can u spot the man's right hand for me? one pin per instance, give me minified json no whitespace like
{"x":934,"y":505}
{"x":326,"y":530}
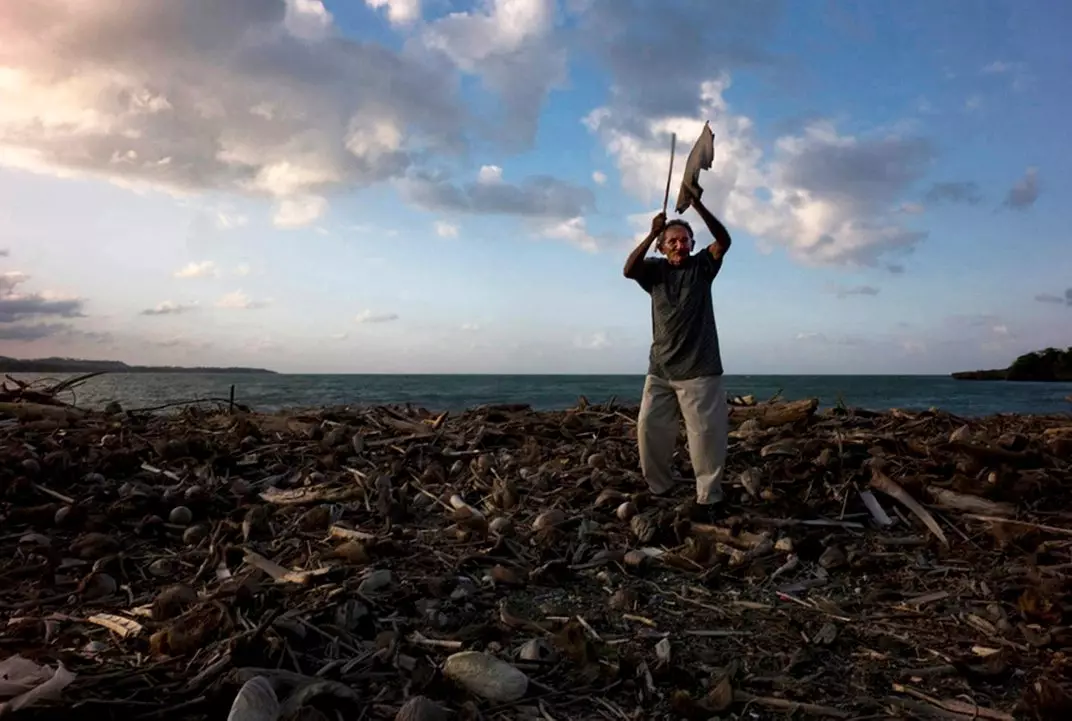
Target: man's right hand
{"x":658,"y":224}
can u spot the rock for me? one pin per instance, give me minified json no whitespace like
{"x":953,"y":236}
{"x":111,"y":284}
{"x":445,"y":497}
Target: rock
{"x":486,"y":676}
{"x":255,"y":701}
{"x":421,"y":708}
{"x":549,"y":519}
{"x":375,"y":582}
{"x":501,"y":526}
{"x":960,"y":435}
{"x":181,"y":516}
{"x":172,"y":601}
{"x":626,"y":511}
{"x":597,"y":460}
{"x":536,"y":649}
{"x":195,"y":534}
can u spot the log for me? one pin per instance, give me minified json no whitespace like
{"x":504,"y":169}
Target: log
{"x":969,"y":503}
{"x":771,"y":415}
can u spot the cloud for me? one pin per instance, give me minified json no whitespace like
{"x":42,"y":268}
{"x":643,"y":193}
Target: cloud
{"x":824,"y":339}
{"x":299,"y":212}
{"x":599,"y":177}
{"x":537,"y":196}
{"x":973,"y":103}
{"x":242,"y":269}
{"x":399,"y":12}
{"x":596,"y":341}
{"x":631,"y":38}
{"x":1056,"y":299}
{"x":26,"y":333}
{"x":846,"y":291}
{"x":4,"y":252}
{"x":511,"y":45}
{"x":446,"y":230}
{"x":827,"y":197}
{"x":489,"y":174}
{"x":368,"y":316}
{"x":262,"y":97}
{"x":238,"y":300}
{"x":575,"y":232}
{"x":169,"y":307}
{"x":962,"y":191}
{"x":1024,"y":192}
{"x":9,"y":280}
{"x":229,"y":221}
{"x":912,"y":208}
{"x":16,"y":306}
{"x":203,"y":269}
{"x":1021,"y":78}
{"x":470,"y":327}
{"x":19,"y":306}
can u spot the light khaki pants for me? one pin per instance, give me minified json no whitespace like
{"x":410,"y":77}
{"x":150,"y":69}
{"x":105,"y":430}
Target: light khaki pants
{"x":702,"y":403}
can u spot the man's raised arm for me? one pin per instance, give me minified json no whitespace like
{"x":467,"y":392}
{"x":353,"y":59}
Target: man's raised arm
{"x":634,"y":263}
{"x":718,"y":230}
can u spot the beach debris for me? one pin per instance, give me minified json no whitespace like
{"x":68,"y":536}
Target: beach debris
{"x":399,"y":563}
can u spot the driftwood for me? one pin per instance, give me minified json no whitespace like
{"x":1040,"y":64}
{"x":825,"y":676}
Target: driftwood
{"x":332,"y":561}
{"x":772,"y":415}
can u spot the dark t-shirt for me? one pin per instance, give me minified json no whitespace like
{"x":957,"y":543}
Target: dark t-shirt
{"x":684,"y":338}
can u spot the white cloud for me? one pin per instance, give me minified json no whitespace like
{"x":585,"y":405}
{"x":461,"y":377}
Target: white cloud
{"x":489,"y":174}
{"x":595,"y":341}
{"x":573,"y":231}
{"x":228,"y":221}
{"x":912,"y":208}
{"x":399,"y":12}
{"x":511,"y":46}
{"x":249,"y":96}
{"x":470,"y":327}
{"x":242,"y":269}
{"x":368,"y":316}
{"x":203,"y":269}
{"x":599,"y":177}
{"x":10,"y":279}
{"x":973,"y":103}
{"x":446,"y":230}
{"x":307,"y":19}
{"x":299,"y":212}
{"x":828,"y":198}
{"x":340,"y":336}
{"x":238,"y":300}
{"x":169,"y":307}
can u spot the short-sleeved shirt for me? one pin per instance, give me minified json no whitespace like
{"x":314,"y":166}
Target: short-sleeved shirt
{"x":684,"y":341}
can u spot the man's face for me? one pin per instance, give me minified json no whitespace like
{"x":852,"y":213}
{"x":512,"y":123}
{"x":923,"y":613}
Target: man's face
{"x":676,"y":244}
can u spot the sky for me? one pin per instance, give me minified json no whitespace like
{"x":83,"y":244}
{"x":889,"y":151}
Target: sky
{"x":452,"y":186}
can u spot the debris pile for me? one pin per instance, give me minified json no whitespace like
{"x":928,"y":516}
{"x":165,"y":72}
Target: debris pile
{"x":391,"y":563}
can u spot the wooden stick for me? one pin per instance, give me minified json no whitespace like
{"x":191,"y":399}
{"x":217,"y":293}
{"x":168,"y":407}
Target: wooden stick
{"x":670,"y":174}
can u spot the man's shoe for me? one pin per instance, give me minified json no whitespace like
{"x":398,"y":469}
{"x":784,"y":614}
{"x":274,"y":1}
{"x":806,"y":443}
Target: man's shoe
{"x":702,"y":512}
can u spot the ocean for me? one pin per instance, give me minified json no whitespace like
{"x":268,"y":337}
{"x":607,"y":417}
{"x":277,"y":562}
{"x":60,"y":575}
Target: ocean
{"x":456,"y":392}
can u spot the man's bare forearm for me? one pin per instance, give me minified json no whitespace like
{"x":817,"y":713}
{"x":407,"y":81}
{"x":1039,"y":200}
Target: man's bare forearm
{"x":718,"y":230}
{"x":632,"y":263}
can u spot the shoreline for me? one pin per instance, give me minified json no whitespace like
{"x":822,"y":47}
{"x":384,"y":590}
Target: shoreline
{"x":855,"y":541}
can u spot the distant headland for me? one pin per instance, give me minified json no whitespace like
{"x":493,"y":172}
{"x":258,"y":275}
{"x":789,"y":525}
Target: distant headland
{"x":1048,"y":365}
{"x":81,"y":365}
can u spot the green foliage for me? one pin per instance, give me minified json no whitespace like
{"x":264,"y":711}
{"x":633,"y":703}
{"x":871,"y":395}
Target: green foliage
{"x":1050,"y":364}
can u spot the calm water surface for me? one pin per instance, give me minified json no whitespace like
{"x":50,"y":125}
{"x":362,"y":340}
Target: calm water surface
{"x":455,"y":392}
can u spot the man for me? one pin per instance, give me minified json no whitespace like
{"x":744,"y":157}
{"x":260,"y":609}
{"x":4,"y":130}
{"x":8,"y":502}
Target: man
{"x":685,"y":367}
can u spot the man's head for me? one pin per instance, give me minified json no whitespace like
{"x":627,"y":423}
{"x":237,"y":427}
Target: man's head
{"x":676,"y":241}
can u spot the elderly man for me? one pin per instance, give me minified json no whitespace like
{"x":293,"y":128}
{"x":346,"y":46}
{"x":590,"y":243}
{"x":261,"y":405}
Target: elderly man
{"x":685,"y":367}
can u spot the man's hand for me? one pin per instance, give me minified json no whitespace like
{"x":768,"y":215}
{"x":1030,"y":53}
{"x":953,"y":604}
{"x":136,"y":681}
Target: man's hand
{"x":694,"y":201}
{"x":658,"y":224}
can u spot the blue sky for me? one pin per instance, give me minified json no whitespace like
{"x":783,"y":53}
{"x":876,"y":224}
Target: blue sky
{"x":448,"y":186}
